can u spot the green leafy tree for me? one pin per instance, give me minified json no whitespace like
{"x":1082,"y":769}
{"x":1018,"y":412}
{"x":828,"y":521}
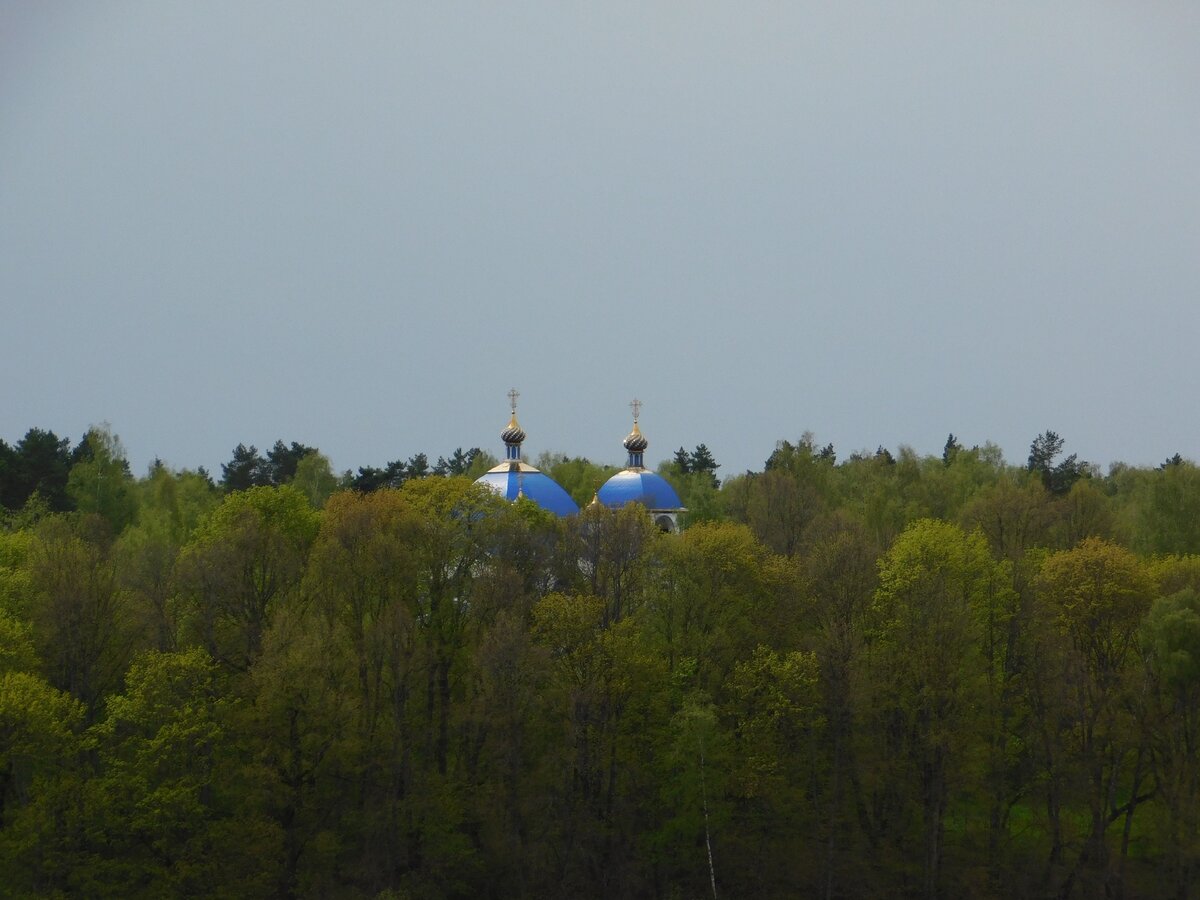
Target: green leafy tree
{"x":302,"y":722}
{"x":578,"y":476}
{"x":38,"y":732}
{"x":314,"y":478}
{"x":718,"y":593}
{"x":934,"y":589}
{"x":1170,"y":637}
{"x":841,"y":575}
{"x":613,"y":548}
{"x":168,"y":804}
{"x":1168,"y":507}
{"x":363,"y":581}
{"x":100,"y":482}
{"x":246,"y":558}
{"x":1095,"y":596}
{"x":79,"y":613}
{"x":774,"y":698}
{"x":282,"y":461}
{"x":701,"y":499}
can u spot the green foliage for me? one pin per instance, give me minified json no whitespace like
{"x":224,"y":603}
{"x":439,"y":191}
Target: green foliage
{"x":894,"y":675}
{"x":39,"y":739}
{"x":1057,"y":477}
{"x":283,"y":460}
{"x":77,"y":608}
{"x":1168,"y":510}
{"x":246,"y":469}
{"x":100,"y":482}
{"x":579,"y":477}
{"x":1171,"y":639}
{"x":314,"y":478}
{"x":16,"y":644}
{"x":242,"y":561}
{"x":38,"y":464}
{"x":929,"y":614}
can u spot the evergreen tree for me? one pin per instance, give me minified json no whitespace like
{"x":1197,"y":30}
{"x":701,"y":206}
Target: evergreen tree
{"x":1057,"y":478}
{"x":458,"y":463}
{"x":951,"y":450}
{"x":8,"y":464}
{"x":247,"y":469}
{"x":417,"y":467}
{"x":701,"y":460}
{"x":40,"y":463}
{"x":282,"y":461}
{"x":1175,"y":460}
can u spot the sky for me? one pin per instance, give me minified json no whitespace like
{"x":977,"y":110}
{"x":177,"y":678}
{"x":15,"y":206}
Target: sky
{"x":358,"y":225}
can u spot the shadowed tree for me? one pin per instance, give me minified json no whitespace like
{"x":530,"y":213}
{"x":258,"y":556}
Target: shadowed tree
{"x":1095,"y":596}
{"x":1059,"y":477}
{"x":245,"y":470}
{"x":928,"y":613}
{"x":80,"y":615}
{"x":246,"y":557}
{"x":39,"y":463}
{"x":1170,"y":638}
{"x":283,"y":459}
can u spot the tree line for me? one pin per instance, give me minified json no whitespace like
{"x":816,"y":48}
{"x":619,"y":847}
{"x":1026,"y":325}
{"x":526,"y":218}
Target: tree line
{"x":893,"y":674}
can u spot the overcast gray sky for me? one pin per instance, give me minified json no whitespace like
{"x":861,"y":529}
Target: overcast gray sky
{"x":357,"y":225}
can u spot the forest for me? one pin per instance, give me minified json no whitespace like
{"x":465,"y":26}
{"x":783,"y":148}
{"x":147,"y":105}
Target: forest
{"x":883,"y":675}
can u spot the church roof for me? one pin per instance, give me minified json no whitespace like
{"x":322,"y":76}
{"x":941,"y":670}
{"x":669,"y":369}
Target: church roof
{"x":639,"y":486}
{"x":523,"y":480}
{"x":636,"y":483}
{"x":515,"y":478}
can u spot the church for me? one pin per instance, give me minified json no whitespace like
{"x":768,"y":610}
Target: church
{"x":514,"y":478}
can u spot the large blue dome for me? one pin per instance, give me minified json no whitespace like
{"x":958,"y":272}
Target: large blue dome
{"x":639,"y":486}
{"x":515,"y":478}
{"x":512,"y":480}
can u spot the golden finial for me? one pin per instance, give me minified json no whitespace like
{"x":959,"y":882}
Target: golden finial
{"x":513,"y":394}
{"x":635,"y":442}
{"x":512,"y":435}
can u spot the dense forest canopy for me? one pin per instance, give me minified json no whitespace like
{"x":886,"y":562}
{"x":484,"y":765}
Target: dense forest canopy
{"x":887,"y":675}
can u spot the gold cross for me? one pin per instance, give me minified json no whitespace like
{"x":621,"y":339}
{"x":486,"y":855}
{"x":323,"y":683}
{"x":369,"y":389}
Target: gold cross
{"x":636,"y":406}
{"x":513,"y":394}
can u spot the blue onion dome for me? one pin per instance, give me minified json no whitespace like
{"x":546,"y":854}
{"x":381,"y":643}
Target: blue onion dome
{"x":515,"y":479}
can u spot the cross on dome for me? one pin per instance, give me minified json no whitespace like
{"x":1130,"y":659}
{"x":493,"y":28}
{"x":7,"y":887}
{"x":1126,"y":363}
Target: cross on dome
{"x":636,"y":442}
{"x":513,"y":435}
